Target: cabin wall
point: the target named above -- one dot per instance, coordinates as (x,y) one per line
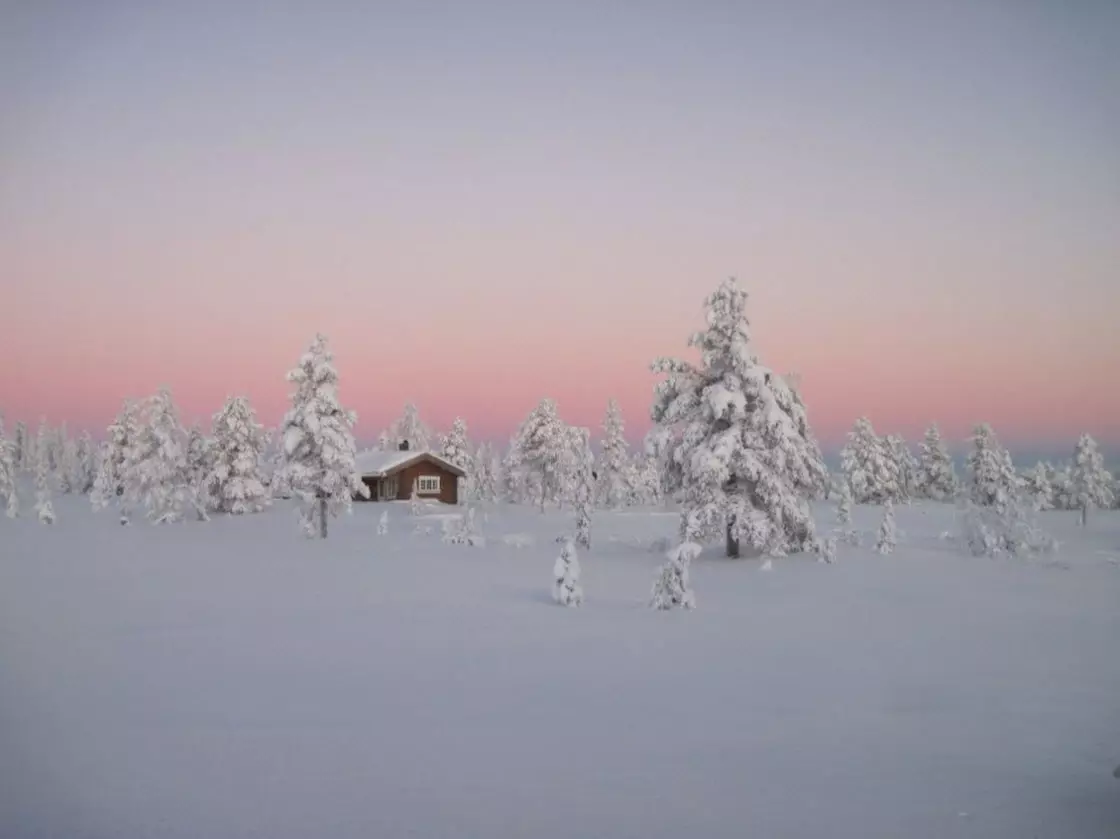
(448,483)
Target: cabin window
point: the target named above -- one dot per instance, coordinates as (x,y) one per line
(428,485)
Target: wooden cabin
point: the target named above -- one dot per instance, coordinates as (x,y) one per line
(392,476)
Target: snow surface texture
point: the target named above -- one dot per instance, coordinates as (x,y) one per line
(228,679)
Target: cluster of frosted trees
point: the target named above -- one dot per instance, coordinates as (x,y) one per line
(54,461)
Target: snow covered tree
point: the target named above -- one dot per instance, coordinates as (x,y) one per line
(199,463)
(108,485)
(21,457)
(566,588)
(484,468)
(1091,482)
(671,589)
(85,466)
(888,531)
(905,467)
(614,487)
(8,478)
(514,483)
(844,515)
(935,477)
(43,507)
(870,467)
(992,481)
(68,466)
(155,472)
(543,448)
(584,486)
(408,430)
(455,448)
(739,438)
(383,523)
(1036,484)
(1061,482)
(233,480)
(318,441)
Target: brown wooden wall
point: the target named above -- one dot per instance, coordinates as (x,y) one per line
(448,483)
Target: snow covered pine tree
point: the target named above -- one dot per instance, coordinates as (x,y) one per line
(740,437)
(614,485)
(935,477)
(233,480)
(1092,484)
(671,589)
(456,448)
(318,442)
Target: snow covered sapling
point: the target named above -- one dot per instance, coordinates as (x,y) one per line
(846,532)
(1091,482)
(463,530)
(739,437)
(484,469)
(232,468)
(415,505)
(566,588)
(671,589)
(318,442)
(614,483)
(888,532)
(383,523)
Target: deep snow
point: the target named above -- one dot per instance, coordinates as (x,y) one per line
(233,679)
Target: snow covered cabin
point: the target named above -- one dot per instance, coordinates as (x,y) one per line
(392,475)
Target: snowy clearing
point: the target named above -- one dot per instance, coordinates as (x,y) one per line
(231,679)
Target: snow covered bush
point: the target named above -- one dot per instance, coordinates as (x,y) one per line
(1091,484)
(232,478)
(739,437)
(888,532)
(463,531)
(318,442)
(383,523)
(935,477)
(566,588)
(615,475)
(671,589)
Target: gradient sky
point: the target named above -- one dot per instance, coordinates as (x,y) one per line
(486,203)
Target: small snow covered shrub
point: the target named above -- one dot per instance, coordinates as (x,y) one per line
(566,589)
(826,550)
(383,523)
(415,505)
(997,531)
(888,531)
(671,589)
(462,530)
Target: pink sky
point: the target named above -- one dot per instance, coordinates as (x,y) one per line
(505,206)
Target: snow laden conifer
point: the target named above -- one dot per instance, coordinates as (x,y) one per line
(44,509)
(8,477)
(614,484)
(740,437)
(67,465)
(318,442)
(888,531)
(21,455)
(869,466)
(514,485)
(935,477)
(1036,484)
(155,473)
(584,486)
(408,431)
(233,479)
(994,518)
(485,468)
(108,485)
(905,467)
(86,465)
(671,589)
(566,589)
(1091,484)
(543,450)
(456,448)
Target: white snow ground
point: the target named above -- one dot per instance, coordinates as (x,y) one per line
(233,679)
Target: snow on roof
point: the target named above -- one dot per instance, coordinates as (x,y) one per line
(376,463)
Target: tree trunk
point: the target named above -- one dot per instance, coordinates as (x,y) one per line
(732,540)
(322,518)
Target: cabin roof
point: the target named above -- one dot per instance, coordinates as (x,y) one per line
(377,464)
